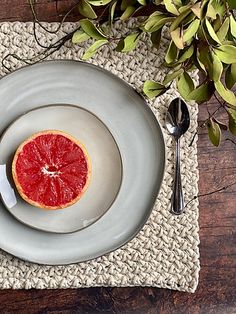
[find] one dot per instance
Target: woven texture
(165, 253)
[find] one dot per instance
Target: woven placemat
(165, 253)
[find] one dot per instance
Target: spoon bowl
(177, 118)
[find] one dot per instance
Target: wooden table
(217, 288)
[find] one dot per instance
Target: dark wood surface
(217, 288)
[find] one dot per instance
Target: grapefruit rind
(19, 187)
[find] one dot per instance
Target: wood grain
(217, 288)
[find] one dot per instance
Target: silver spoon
(177, 123)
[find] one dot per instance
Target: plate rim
(129, 85)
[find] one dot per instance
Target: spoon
(177, 123)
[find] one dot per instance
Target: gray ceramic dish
(136, 132)
(105, 159)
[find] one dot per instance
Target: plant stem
(42, 55)
(210, 193)
(36, 20)
(230, 140)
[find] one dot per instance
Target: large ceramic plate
(136, 132)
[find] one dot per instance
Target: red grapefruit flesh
(51, 170)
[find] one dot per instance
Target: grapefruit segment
(51, 170)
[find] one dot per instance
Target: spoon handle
(177, 202)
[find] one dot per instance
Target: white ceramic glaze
(105, 159)
(136, 132)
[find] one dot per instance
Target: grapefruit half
(51, 170)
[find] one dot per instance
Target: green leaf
(185, 54)
(232, 120)
(217, 24)
(202, 93)
(217, 68)
(153, 89)
(127, 3)
(200, 34)
(86, 10)
(230, 76)
(204, 6)
(197, 62)
(79, 36)
(90, 29)
(152, 20)
(156, 38)
(154, 14)
(185, 7)
(226, 53)
(171, 76)
(155, 22)
(222, 126)
(219, 7)
(232, 4)
(170, 7)
(185, 85)
(196, 8)
(98, 3)
(128, 43)
(205, 59)
(211, 11)
(177, 37)
(188, 20)
(214, 132)
(171, 53)
(191, 30)
(112, 8)
(127, 13)
(93, 48)
(179, 19)
(232, 26)
(225, 93)
(223, 30)
(212, 32)
(178, 3)
(142, 2)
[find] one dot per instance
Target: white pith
(50, 173)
